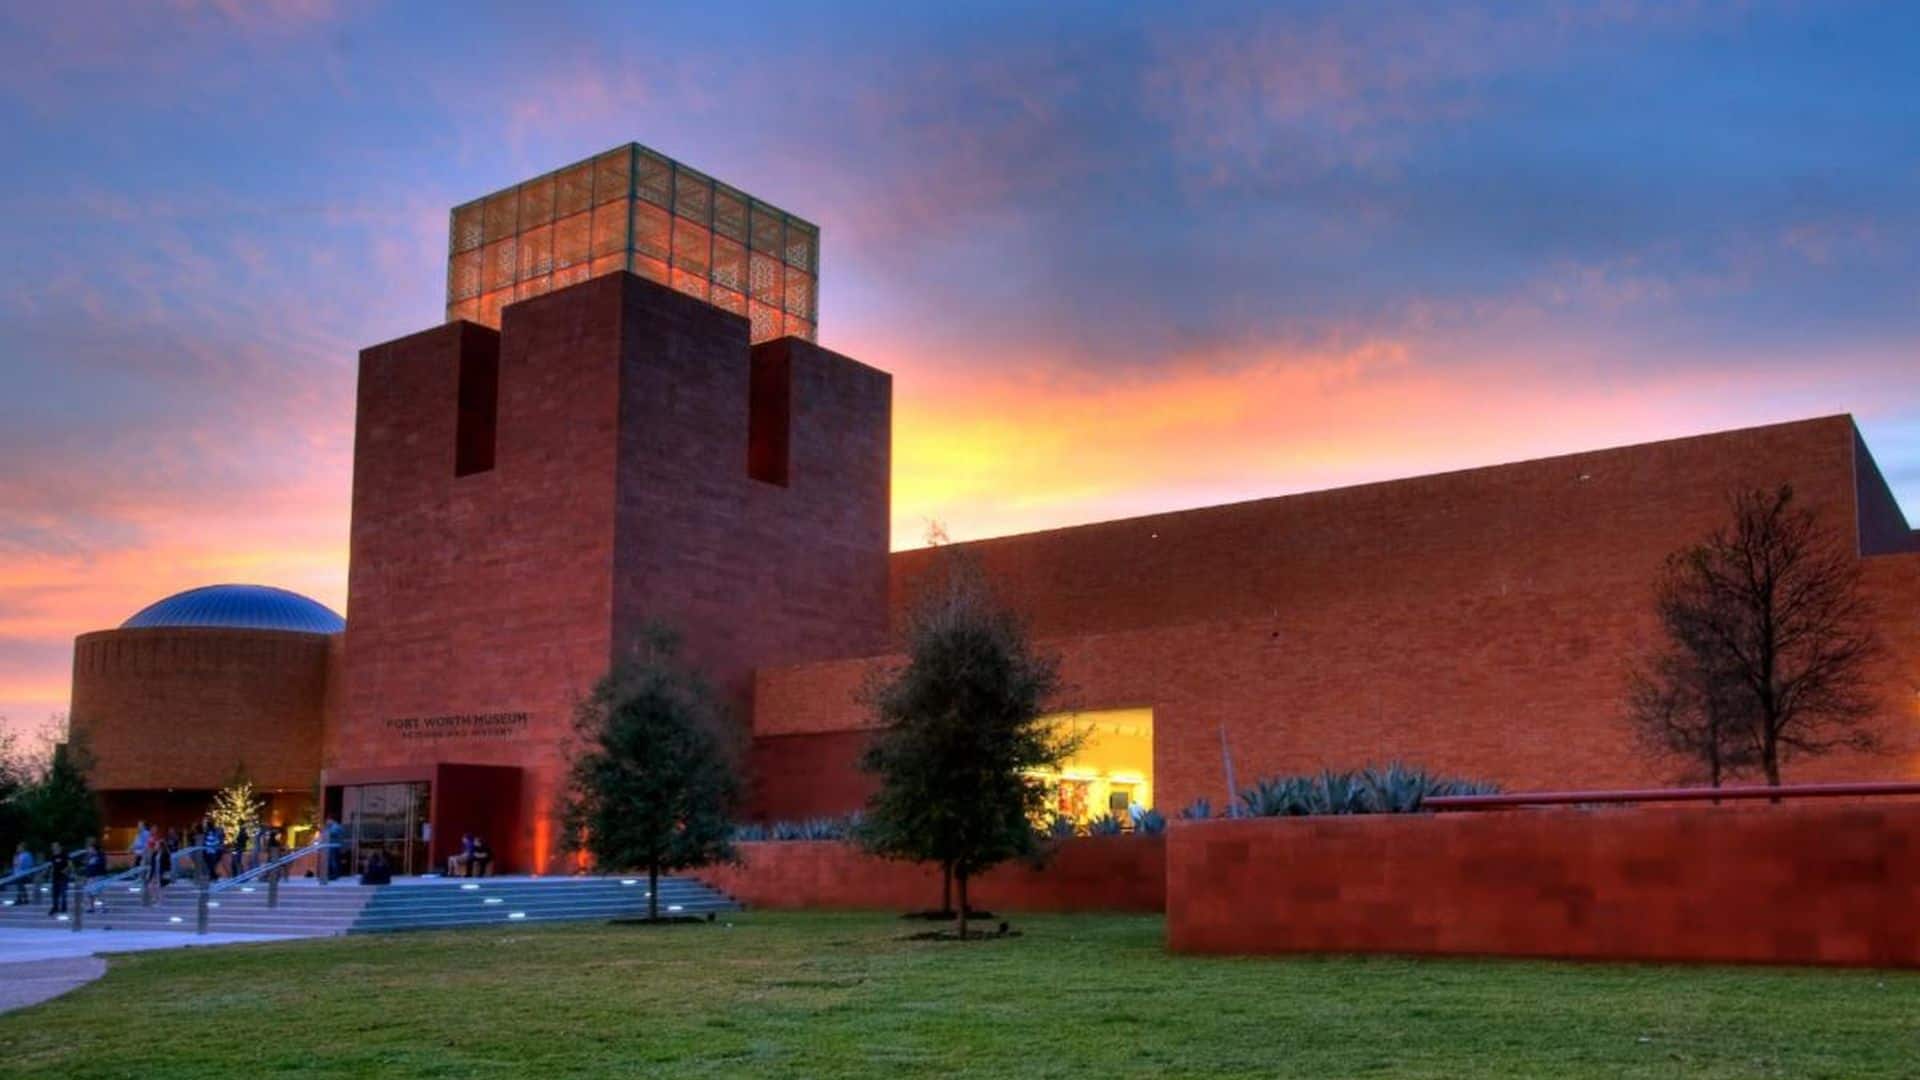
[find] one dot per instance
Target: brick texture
(619, 495)
(1480, 622)
(1103, 873)
(183, 707)
(1791, 884)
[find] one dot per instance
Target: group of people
(162, 853)
(473, 859)
(201, 851)
(89, 862)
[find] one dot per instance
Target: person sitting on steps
(461, 860)
(481, 859)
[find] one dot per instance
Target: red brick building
(618, 452)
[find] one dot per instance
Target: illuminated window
(633, 209)
(1111, 772)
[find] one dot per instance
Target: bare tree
(1767, 642)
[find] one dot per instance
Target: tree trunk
(1770, 761)
(962, 879)
(946, 886)
(653, 891)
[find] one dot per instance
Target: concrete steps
(309, 909)
(305, 909)
(493, 901)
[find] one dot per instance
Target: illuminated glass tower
(633, 209)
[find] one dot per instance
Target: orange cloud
(1011, 453)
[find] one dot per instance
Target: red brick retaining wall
(1801, 884)
(1105, 873)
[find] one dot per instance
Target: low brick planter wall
(1103, 873)
(1804, 883)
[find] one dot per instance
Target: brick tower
(525, 500)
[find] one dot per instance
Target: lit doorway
(388, 818)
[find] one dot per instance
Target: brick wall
(1104, 873)
(183, 707)
(1799, 883)
(748, 571)
(1479, 622)
(619, 494)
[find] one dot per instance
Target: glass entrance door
(389, 818)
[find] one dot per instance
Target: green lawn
(824, 995)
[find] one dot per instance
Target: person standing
(337, 853)
(59, 864)
(155, 878)
(93, 867)
(22, 862)
(213, 843)
(236, 862)
(141, 834)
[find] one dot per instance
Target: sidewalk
(36, 965)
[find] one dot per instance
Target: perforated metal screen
(633, 209)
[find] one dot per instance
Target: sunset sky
(1120, 257)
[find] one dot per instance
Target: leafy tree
(650, 784)
(60, 805)
(16, 780)
(1767, 642)
(960, 735)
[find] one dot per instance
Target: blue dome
(252, 607)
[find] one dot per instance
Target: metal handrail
(28, 874)
(285, 860)
(1692, 794)
(96, 886)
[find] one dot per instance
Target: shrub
(1104, 825)
(1062, 827)
(1393, 789)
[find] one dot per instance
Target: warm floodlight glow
(633, 209)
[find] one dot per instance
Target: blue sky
(1120, 257)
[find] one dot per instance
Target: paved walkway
(36, 965)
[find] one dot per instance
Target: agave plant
(1341, 793)
(1199, 809)
(1105, 825)
(1062, 827)
(748, 832)
(1280, 796)
(1396, 789)
(1148, 822)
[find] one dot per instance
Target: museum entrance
(388, 818)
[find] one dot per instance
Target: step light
(516, 914)
(493, 900)
(629, 881)
(468, 888)
(676, 907)
(213, 903)
(173, 918)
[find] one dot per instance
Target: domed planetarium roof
(251, 607)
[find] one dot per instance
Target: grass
(832, 995)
